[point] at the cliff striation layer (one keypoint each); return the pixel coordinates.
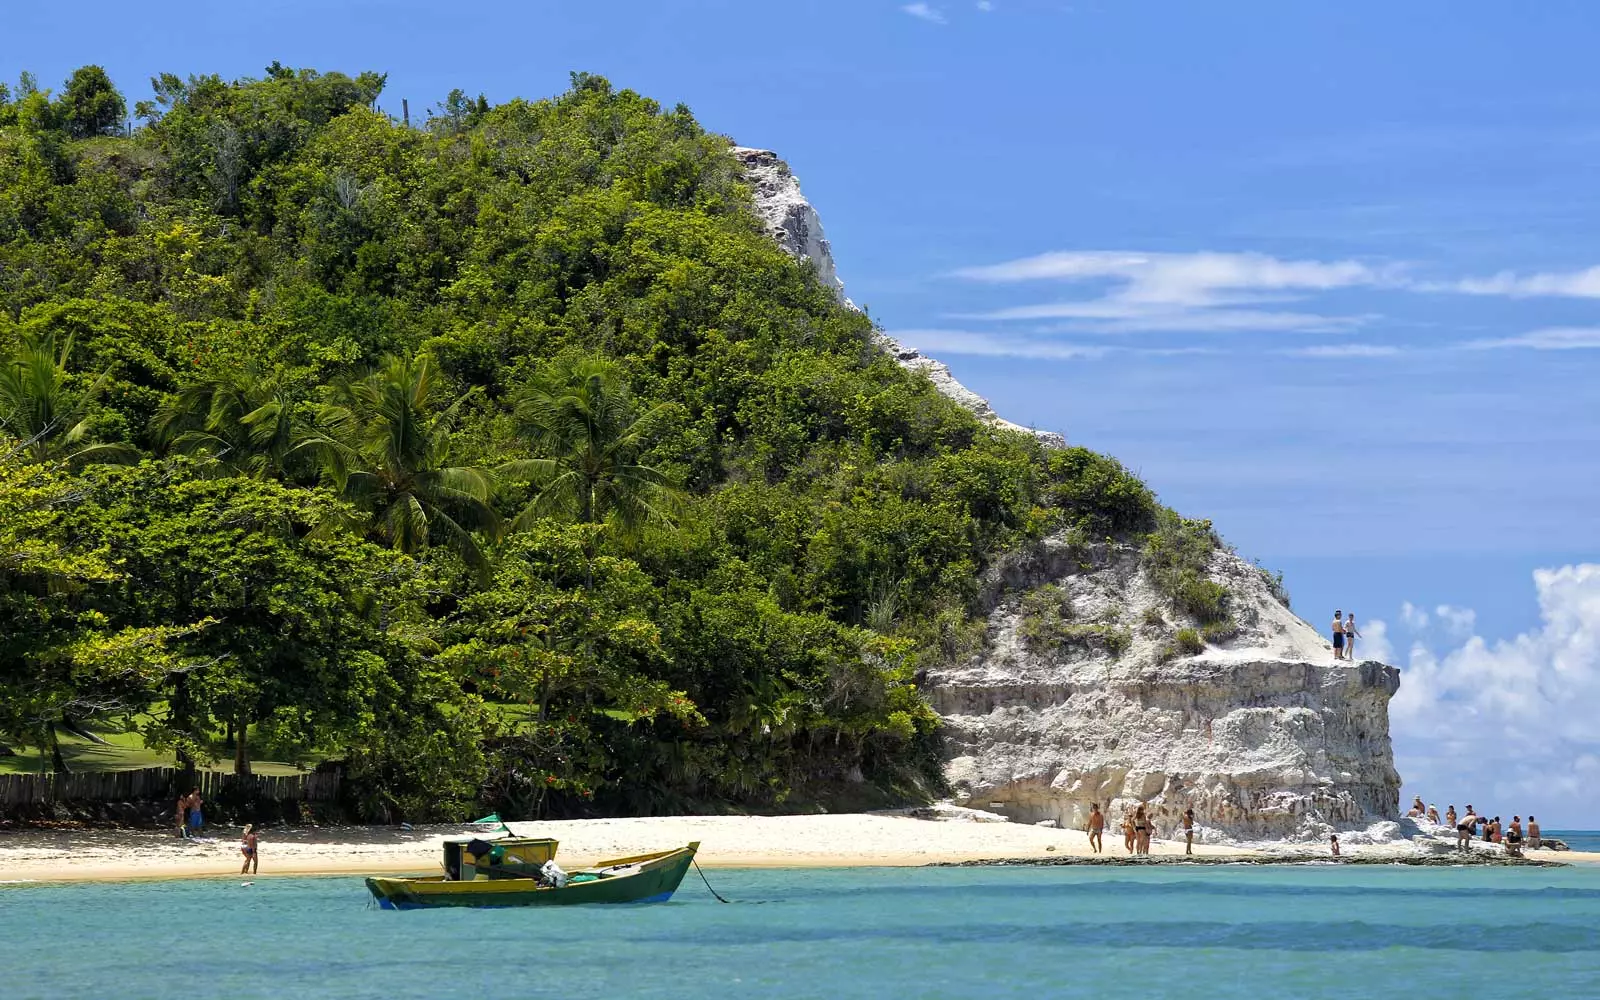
(1082, 692)
(1262, 733)
(794, 223)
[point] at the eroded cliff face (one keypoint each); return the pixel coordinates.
(1263, 734)
(794, 223)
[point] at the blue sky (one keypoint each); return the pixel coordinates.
(1319, 272)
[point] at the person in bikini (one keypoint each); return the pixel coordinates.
(251, 849)
(1338, 636)
(1450, 816)
(181, 814)
(1127, 832)
(1433, 814)
(1097, 826)
(1188, 831)
(1350, 636)
(1141, 830)
(1333, 844)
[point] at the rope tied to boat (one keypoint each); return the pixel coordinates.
(706, 880)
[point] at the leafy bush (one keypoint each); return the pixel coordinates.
(1187, 642)
(1177, 555)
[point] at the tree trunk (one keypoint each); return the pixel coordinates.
(57, 762)
(241, 752)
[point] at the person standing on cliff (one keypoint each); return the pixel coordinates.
(1097, 826)
(1338, 635)
(1450, 816)
(1350, 636)
(1188, 831)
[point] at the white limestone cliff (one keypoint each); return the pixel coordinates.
(1264, 734)
(794, 223)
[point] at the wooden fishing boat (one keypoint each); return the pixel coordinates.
(504, 874)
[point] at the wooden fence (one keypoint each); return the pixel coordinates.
(154, 784)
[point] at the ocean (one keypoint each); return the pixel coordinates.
(1208, 933)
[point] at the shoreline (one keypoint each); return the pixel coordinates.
(813, 841)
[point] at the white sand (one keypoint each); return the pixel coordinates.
(728, 841)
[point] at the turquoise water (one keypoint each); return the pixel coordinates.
(1205, 932)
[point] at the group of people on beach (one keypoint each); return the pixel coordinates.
(188, 815)
(1345, 635)
(1492, 831)
(190, 820)
(1138, 829)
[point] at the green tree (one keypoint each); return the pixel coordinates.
(579, 417)
(46, 416)
(91, 105)
(62, 658)
(386, 446)
(236, 423)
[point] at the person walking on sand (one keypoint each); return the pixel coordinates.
(1533, 832)
(1097, 826)
(1351, 634)
(197, 819)
(180, 814)
(1338, 635)
(1128, 831)
(250, 847)
(1188, 831)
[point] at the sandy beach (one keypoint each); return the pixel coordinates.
(727, 841)
(849, 840)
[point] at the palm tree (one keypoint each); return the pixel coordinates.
(387, 450)
(46, 416)
(578, 415)
(238, 423)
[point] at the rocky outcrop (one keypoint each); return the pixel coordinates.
(1262, 732)
(794, 223)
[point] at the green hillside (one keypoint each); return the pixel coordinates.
(502, 457)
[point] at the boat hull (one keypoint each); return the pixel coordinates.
(650, 878)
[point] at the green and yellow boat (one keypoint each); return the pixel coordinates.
(512, 871)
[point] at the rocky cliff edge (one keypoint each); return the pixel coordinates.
(1260, 731)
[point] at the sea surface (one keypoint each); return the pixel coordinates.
(1208, 933)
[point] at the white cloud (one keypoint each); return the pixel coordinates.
(1415, 618)
(1509, 725)
(996, 345)
(1456, 622)
(925, 12)
(1560, 338)
(985, 5)
(1374, 641)
(1181, 291)
(1345, 351)
(1584, 284)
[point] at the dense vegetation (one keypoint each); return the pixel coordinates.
(504, 459)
